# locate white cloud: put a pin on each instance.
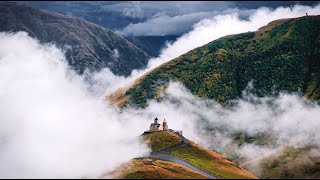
(163, 24)
(288, 119)
(54, 123)
(116, 53)
(51, 125)
(144, 10)
(135, 11)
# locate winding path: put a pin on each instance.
(166, 156)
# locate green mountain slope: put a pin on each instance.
(281, 56)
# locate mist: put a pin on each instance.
(55, 123)
(290, 118)
(52, 124)
(286, 120)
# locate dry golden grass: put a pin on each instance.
(262, 32)
(119, 97)
(160, 91)
(153, 169)
(272, 24)
(161, 140)
(212, 162)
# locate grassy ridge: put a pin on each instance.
(211, 162)
(155, 169)
(282, 56)
(161, 140)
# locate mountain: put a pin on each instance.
(117, 15)
(174, 156)
(281, 56)
(92, 47)
(103, 13)
(152, 45)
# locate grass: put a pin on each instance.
(211, 162)
(281, 56)
(207, 160)
(158, 141)
(155, 169)
(288, 162)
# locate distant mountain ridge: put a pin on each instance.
(113, 16)
(281, 56)
(93, 47)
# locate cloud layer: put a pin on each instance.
(286, 120)
(55, 123)
(180, 20)
(52, 124)
(157, 17)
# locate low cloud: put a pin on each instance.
(135, 11)
(132, 15)
(165, 23)
(52, 124)
(286, 120)
(55, 123)
(145, 10)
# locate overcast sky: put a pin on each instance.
(154, 18)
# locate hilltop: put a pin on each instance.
(174, 156)
(281, 56)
